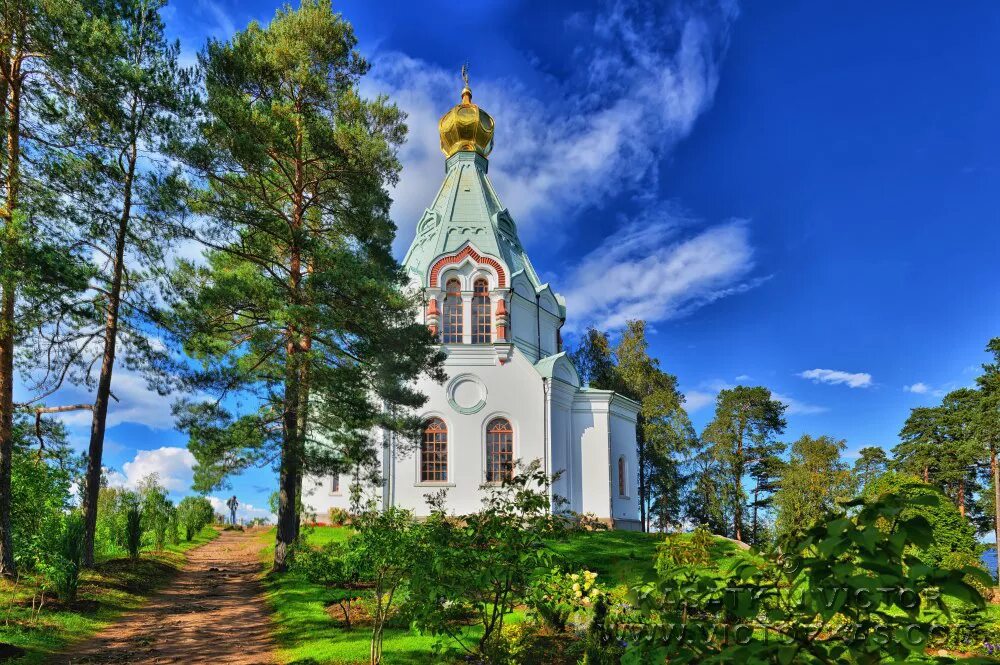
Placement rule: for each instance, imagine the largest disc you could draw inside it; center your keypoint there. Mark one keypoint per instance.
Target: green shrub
(62, 558)
(339, 516)
(133, 531)
(555, 598)
(194, 513)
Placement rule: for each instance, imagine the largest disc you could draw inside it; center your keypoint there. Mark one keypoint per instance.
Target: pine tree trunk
(99, 421)
(961, 498)
(7, 310)
(642, 476)
(996, 505)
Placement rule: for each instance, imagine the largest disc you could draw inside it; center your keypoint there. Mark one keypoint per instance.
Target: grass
(626, 557)
(306, 634)
(113, 587)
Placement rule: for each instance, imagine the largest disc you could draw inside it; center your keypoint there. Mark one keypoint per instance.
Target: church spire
(466, 127)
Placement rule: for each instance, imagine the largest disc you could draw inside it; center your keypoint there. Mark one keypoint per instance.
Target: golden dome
(466, 127)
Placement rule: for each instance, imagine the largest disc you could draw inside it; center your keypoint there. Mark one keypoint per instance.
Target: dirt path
(213, 612)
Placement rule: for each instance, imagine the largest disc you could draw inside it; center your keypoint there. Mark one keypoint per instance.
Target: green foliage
(872, 462)
(40, 493)
(556, 597)
(299, 305)
(156, 510)
(338, 516)
(846, 590)
(194, 513)
(61, 557)
(677, 550)
(812, 483)
(133, 530)
(479, 565)
(742, 431)
(337, 567)
(952, 532)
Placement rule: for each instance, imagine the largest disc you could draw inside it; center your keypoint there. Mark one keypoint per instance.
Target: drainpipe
(538, 323)
(546, 393)
(611, 486)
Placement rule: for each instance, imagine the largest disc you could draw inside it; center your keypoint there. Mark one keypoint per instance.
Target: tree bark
(996, 505)
(98, 424)
(961, 498)
(8, 287)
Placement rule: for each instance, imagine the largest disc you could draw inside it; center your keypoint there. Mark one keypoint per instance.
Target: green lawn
(625, 557)
(306, 633)
(113, 587)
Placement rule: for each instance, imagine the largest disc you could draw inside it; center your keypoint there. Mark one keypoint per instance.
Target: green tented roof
(467, 209)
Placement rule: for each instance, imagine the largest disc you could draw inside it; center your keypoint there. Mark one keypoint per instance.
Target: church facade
(512, 393)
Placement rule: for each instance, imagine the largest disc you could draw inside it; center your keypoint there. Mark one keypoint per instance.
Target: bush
(339, 516)
(848, 589)
(133, 531)
(194, 514)
(63, 558)
(335, 567)
(40, 495)
(555, 598)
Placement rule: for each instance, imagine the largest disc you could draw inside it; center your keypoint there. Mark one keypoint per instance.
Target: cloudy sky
(796, 195)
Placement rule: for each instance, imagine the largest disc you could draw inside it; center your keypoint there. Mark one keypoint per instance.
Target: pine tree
(43, 46)
(299, 309)
(746, 421)
(872, 462)
(989, 433)
(126, 198)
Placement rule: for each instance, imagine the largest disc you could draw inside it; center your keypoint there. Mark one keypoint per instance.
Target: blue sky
(797, 195)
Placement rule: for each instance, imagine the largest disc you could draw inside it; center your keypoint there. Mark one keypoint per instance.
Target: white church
(512, 392)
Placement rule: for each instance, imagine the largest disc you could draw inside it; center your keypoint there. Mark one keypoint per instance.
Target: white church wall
(623, 446)
(512, 390)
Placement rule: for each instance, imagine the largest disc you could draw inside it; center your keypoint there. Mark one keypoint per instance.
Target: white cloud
(836, 376)
(173, 466)
(795, 407)
(698, 399)
(643, 76)
(245, 511)
(645, 271)
(136, 403)
(917, 388)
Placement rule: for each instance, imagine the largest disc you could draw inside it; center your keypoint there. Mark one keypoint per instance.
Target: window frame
(453, 313)
(490, 443)
(622, 477)
(481, 312)
(426, 470)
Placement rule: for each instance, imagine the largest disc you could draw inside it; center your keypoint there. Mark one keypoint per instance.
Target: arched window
(622, 477)
(499, 450)
(482, 322)
(434, 452)
(335, 484)
(452, 313)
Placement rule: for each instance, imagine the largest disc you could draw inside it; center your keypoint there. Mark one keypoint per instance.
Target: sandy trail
(213, 612)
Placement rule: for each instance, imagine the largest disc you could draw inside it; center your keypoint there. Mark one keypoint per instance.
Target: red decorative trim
(432, 307)
(476, 256)
(501, 307)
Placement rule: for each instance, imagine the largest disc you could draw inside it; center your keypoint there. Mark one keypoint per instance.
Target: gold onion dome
(466, 127)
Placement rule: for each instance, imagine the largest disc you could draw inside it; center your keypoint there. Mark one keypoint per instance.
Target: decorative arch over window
(622, 477)
(499, 450)
(452, 329)
(434, 452)
(482, 323)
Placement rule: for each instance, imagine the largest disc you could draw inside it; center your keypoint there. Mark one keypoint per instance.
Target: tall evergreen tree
(746, 422)
(43, 45)
(300, 308)
(988, 426)
(765, 469)
(872, 462)
(664, 433)
(919, 440)
(126, 199)
(594, 359)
